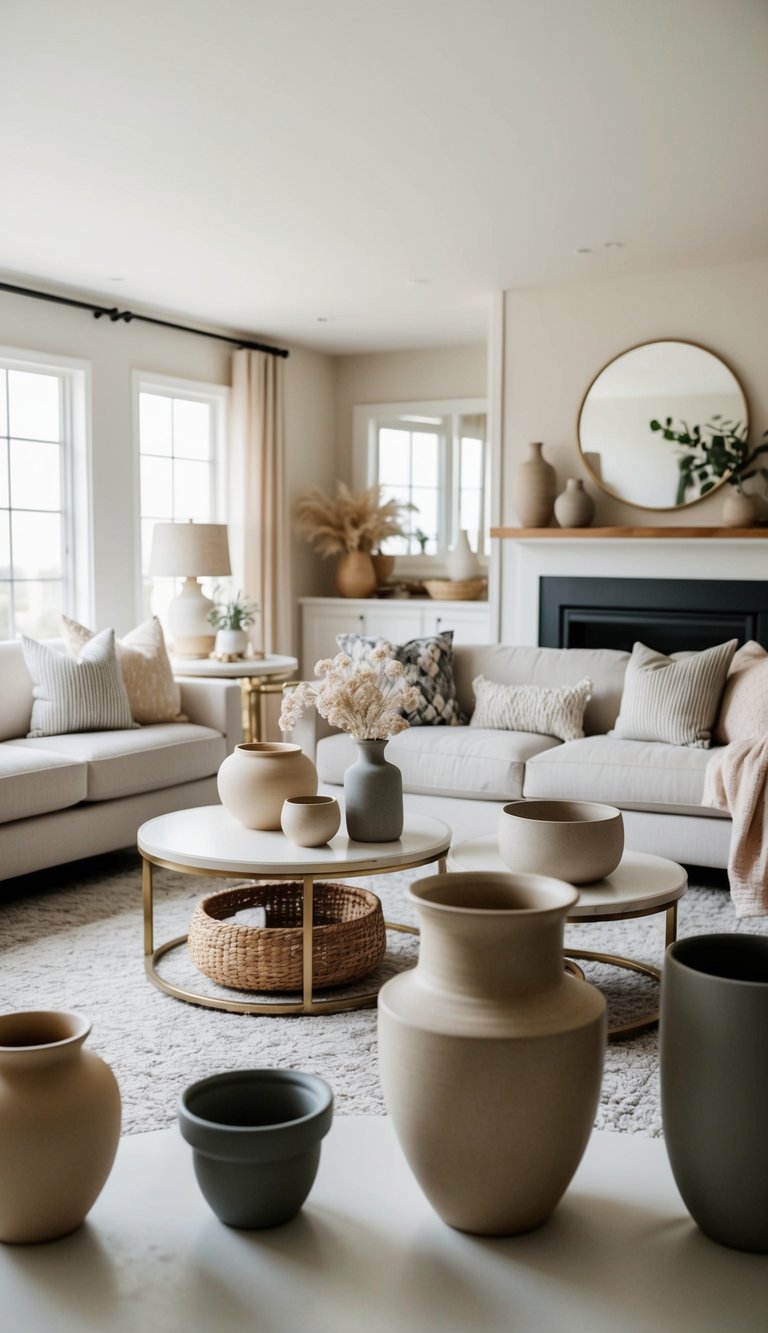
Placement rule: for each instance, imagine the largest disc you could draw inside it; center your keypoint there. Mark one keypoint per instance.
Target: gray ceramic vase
(714, 1083)
(373, 796)
(256, 1136)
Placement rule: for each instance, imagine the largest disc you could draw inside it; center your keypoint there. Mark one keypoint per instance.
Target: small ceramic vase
(535, 489)
(739, 510)
(59, 1125)
(373, 795)
(578, 841)
(461, 561)
(258, 776)
(231, 643)
(355, 575)
(310, 821)
(490, 1053)
(574, 507)
(384, 566)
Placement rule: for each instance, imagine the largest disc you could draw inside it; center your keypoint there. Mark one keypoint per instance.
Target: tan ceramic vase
(384, 565)
(258, 776)
(574, 507)
(59, 1125)
(310, 821)
(490, 1054)
(535, 490)
(739, 510)
(355, 575)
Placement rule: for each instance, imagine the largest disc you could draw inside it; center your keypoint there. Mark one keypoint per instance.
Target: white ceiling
(261, 164)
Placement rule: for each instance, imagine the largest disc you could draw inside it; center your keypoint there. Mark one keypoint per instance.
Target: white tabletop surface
(619, 1255)
(246, 666)
(640, 881)
(208, 838)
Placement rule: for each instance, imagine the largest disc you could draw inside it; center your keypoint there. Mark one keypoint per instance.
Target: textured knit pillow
(545, 710)
(428, 665)
(152, 691)
(744, 705)
(673, 699)
(76, 694)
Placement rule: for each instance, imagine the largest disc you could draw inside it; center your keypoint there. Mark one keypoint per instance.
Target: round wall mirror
(653, 382)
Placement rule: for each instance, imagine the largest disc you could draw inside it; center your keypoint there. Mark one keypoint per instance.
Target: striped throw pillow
(673, 699)
(84, 693)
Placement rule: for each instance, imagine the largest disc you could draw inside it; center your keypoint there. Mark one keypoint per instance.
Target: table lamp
(190, 550)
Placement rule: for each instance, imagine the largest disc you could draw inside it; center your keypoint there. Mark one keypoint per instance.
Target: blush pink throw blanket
(736, 780)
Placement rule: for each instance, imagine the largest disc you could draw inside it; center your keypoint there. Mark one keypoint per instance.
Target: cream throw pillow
(673, 699)
(82, 694)
(744, 706)
(152, 691)
(545, 710)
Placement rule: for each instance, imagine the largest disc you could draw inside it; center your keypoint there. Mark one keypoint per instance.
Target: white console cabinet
(397, 619)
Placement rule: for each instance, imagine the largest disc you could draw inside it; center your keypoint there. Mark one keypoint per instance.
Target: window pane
(33, 402)
(426, 511)
(5, 545)
(38, 608)
(36, 545)
(425, 464)
(191, 429)
(154, 423)
(35, 475)
(6, 619)
(156, 487)
(191, 490)
(4, 474)
(469, 514)
(472, 463)
(3, 403)
(394, 457)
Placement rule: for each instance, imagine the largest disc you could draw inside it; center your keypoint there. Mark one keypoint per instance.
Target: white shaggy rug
(72, 939)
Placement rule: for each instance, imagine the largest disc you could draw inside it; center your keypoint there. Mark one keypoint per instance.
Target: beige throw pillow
(541, 709)
(673, 699)
(152, 691)
(744, 705)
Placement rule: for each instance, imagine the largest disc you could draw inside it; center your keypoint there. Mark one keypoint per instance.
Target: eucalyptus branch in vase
(717, 451)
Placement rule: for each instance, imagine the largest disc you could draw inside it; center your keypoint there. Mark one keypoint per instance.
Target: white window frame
(368, 419)
(217, 396)
(74, 377)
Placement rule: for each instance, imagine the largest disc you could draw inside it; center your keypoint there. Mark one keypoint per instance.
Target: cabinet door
(320, 625)
(397, 621)
(470, 624)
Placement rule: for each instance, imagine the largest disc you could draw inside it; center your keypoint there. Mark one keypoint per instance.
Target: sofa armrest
(310, 728)
(214, 703)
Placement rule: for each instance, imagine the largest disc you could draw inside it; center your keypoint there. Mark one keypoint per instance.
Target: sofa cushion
(70, 694)
(673, 699)
(544, 709)
(634, 775)
(37, 781)
(446, 761)
(744, 705)
(548, 667)
(428, 665)
(153, 694)
(122, 763)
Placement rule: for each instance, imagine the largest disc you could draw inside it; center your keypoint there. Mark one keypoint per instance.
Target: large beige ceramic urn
(490, 1054)
(259, 776)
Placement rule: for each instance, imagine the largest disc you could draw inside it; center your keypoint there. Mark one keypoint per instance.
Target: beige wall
(555, 341)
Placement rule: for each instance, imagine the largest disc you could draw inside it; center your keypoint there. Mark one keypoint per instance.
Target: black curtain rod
(127, 316)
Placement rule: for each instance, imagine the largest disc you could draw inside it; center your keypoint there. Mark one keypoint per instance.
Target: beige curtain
(259, 532)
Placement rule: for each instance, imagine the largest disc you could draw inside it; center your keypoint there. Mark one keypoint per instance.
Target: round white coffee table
(258, 677)
(642, 885)
(208, 841)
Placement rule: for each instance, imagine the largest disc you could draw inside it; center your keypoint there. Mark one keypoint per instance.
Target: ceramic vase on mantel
(373, 795)
(461, 562)
(490, 1054)
(59, 1125)
(258, 776)
(355, 575)
(535, 489)
(739, 509)
(574, 507)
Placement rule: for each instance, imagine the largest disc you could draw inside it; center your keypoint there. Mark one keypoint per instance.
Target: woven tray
(349, 937)
(456, 590)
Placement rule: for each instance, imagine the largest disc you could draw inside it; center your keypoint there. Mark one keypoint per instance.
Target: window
(434, 458)
(181, 456)
(42, 469)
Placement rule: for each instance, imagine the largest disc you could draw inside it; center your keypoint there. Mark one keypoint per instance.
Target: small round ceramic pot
(256, 1137)
(578, 841)
(310, 821)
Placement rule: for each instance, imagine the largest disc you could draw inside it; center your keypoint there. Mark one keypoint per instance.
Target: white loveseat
(71, 796)
(465, 774)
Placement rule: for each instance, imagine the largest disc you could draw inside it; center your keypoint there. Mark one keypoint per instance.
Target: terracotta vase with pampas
(350, 525)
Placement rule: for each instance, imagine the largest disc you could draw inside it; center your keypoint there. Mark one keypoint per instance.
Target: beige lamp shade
(189, 549)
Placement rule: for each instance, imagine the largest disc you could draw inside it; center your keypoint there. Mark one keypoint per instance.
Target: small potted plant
(231, 618)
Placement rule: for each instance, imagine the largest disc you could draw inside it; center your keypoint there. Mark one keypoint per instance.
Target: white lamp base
(188, 622)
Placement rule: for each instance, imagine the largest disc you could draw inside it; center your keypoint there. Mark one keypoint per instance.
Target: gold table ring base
(628, 965)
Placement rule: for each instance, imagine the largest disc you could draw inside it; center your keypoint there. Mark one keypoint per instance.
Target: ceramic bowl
(310, 821)
(578, 841)
(256, 1136)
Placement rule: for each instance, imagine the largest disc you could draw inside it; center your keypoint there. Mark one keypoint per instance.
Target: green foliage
(422, 538)
(712, 452)
(236, 613)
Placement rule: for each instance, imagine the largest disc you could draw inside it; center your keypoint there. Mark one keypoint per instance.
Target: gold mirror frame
(604, 486)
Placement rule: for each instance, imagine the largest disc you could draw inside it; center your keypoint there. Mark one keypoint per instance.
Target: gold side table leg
(146, 887)
(670, 925)
(307, 910)
(250, 687)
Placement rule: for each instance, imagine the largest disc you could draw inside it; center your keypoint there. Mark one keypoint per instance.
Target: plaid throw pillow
(428, 665)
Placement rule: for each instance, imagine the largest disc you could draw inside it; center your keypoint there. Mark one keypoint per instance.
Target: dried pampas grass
(348, 521)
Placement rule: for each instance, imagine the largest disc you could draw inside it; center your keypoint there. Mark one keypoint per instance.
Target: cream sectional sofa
(465, 774)
(66, 797)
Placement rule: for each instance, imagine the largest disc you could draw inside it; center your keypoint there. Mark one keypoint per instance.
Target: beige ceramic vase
(355, 575)
(574, 507)
(258, 776)
(59, 1125)
(739, 509)
(535, 489)
(310, 821)
(490, 1054)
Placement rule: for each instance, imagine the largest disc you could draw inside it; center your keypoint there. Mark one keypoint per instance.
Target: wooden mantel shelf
(591, 534)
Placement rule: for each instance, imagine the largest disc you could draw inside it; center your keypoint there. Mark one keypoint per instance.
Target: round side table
(258, 676)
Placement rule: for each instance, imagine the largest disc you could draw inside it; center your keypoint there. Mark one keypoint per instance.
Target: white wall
(113, 352)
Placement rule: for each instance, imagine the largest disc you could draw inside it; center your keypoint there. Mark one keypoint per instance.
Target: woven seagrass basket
(349, 937)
